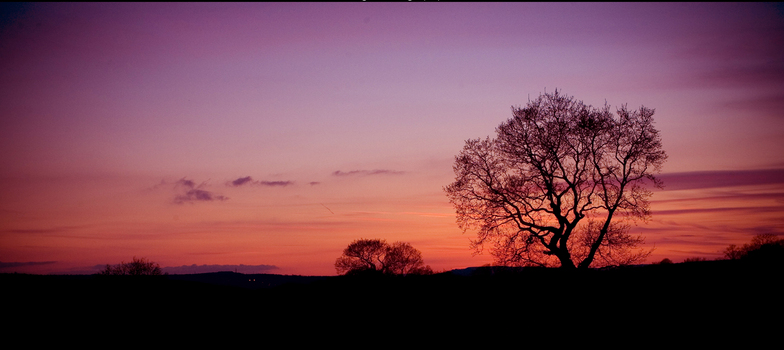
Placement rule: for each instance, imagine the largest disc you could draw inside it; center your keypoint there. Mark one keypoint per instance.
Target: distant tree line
(764, 248)
(137, 267)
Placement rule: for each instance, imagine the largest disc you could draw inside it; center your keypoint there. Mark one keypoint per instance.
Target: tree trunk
(568, 264)
(565, 258)
(595, 246)
(563, 253)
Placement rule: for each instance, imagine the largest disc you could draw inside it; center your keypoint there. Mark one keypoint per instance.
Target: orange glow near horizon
(303, 233)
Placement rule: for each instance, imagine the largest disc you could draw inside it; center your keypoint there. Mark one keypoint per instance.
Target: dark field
(711, 299)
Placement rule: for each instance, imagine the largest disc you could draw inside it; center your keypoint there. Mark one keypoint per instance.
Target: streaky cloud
(57, 229)
(728, 196)
(716, 179)
(4, 265)
(276, 183)
(247, 180)
(367, 172)
(726, 210)
(769, 104)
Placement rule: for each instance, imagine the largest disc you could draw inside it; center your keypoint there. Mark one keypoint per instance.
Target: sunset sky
(265, 137)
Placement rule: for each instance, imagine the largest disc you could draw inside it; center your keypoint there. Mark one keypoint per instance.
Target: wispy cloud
(241, 181)
(186, 183)
(367, 172)
(770, 104)
(247, 180)
(51, 230)
(190, 193)
(736, 54)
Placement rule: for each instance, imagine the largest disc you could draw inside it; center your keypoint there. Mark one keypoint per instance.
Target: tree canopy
(560, 184)
(375, 255)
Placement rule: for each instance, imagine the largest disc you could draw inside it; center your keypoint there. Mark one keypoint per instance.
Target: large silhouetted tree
(550, 189)
(375, 255)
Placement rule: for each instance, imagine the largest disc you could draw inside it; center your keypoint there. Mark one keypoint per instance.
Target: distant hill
(251, 281)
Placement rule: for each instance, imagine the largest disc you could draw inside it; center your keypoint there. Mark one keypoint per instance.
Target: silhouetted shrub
(694, 259)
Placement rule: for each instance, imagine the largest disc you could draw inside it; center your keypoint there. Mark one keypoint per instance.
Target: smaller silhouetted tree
(137, 267)
(375, 255)
(733, 252)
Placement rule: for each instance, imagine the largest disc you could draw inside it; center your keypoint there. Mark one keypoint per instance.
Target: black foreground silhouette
(725, 294)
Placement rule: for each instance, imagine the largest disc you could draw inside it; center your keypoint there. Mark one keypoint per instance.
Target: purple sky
(274, 134)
